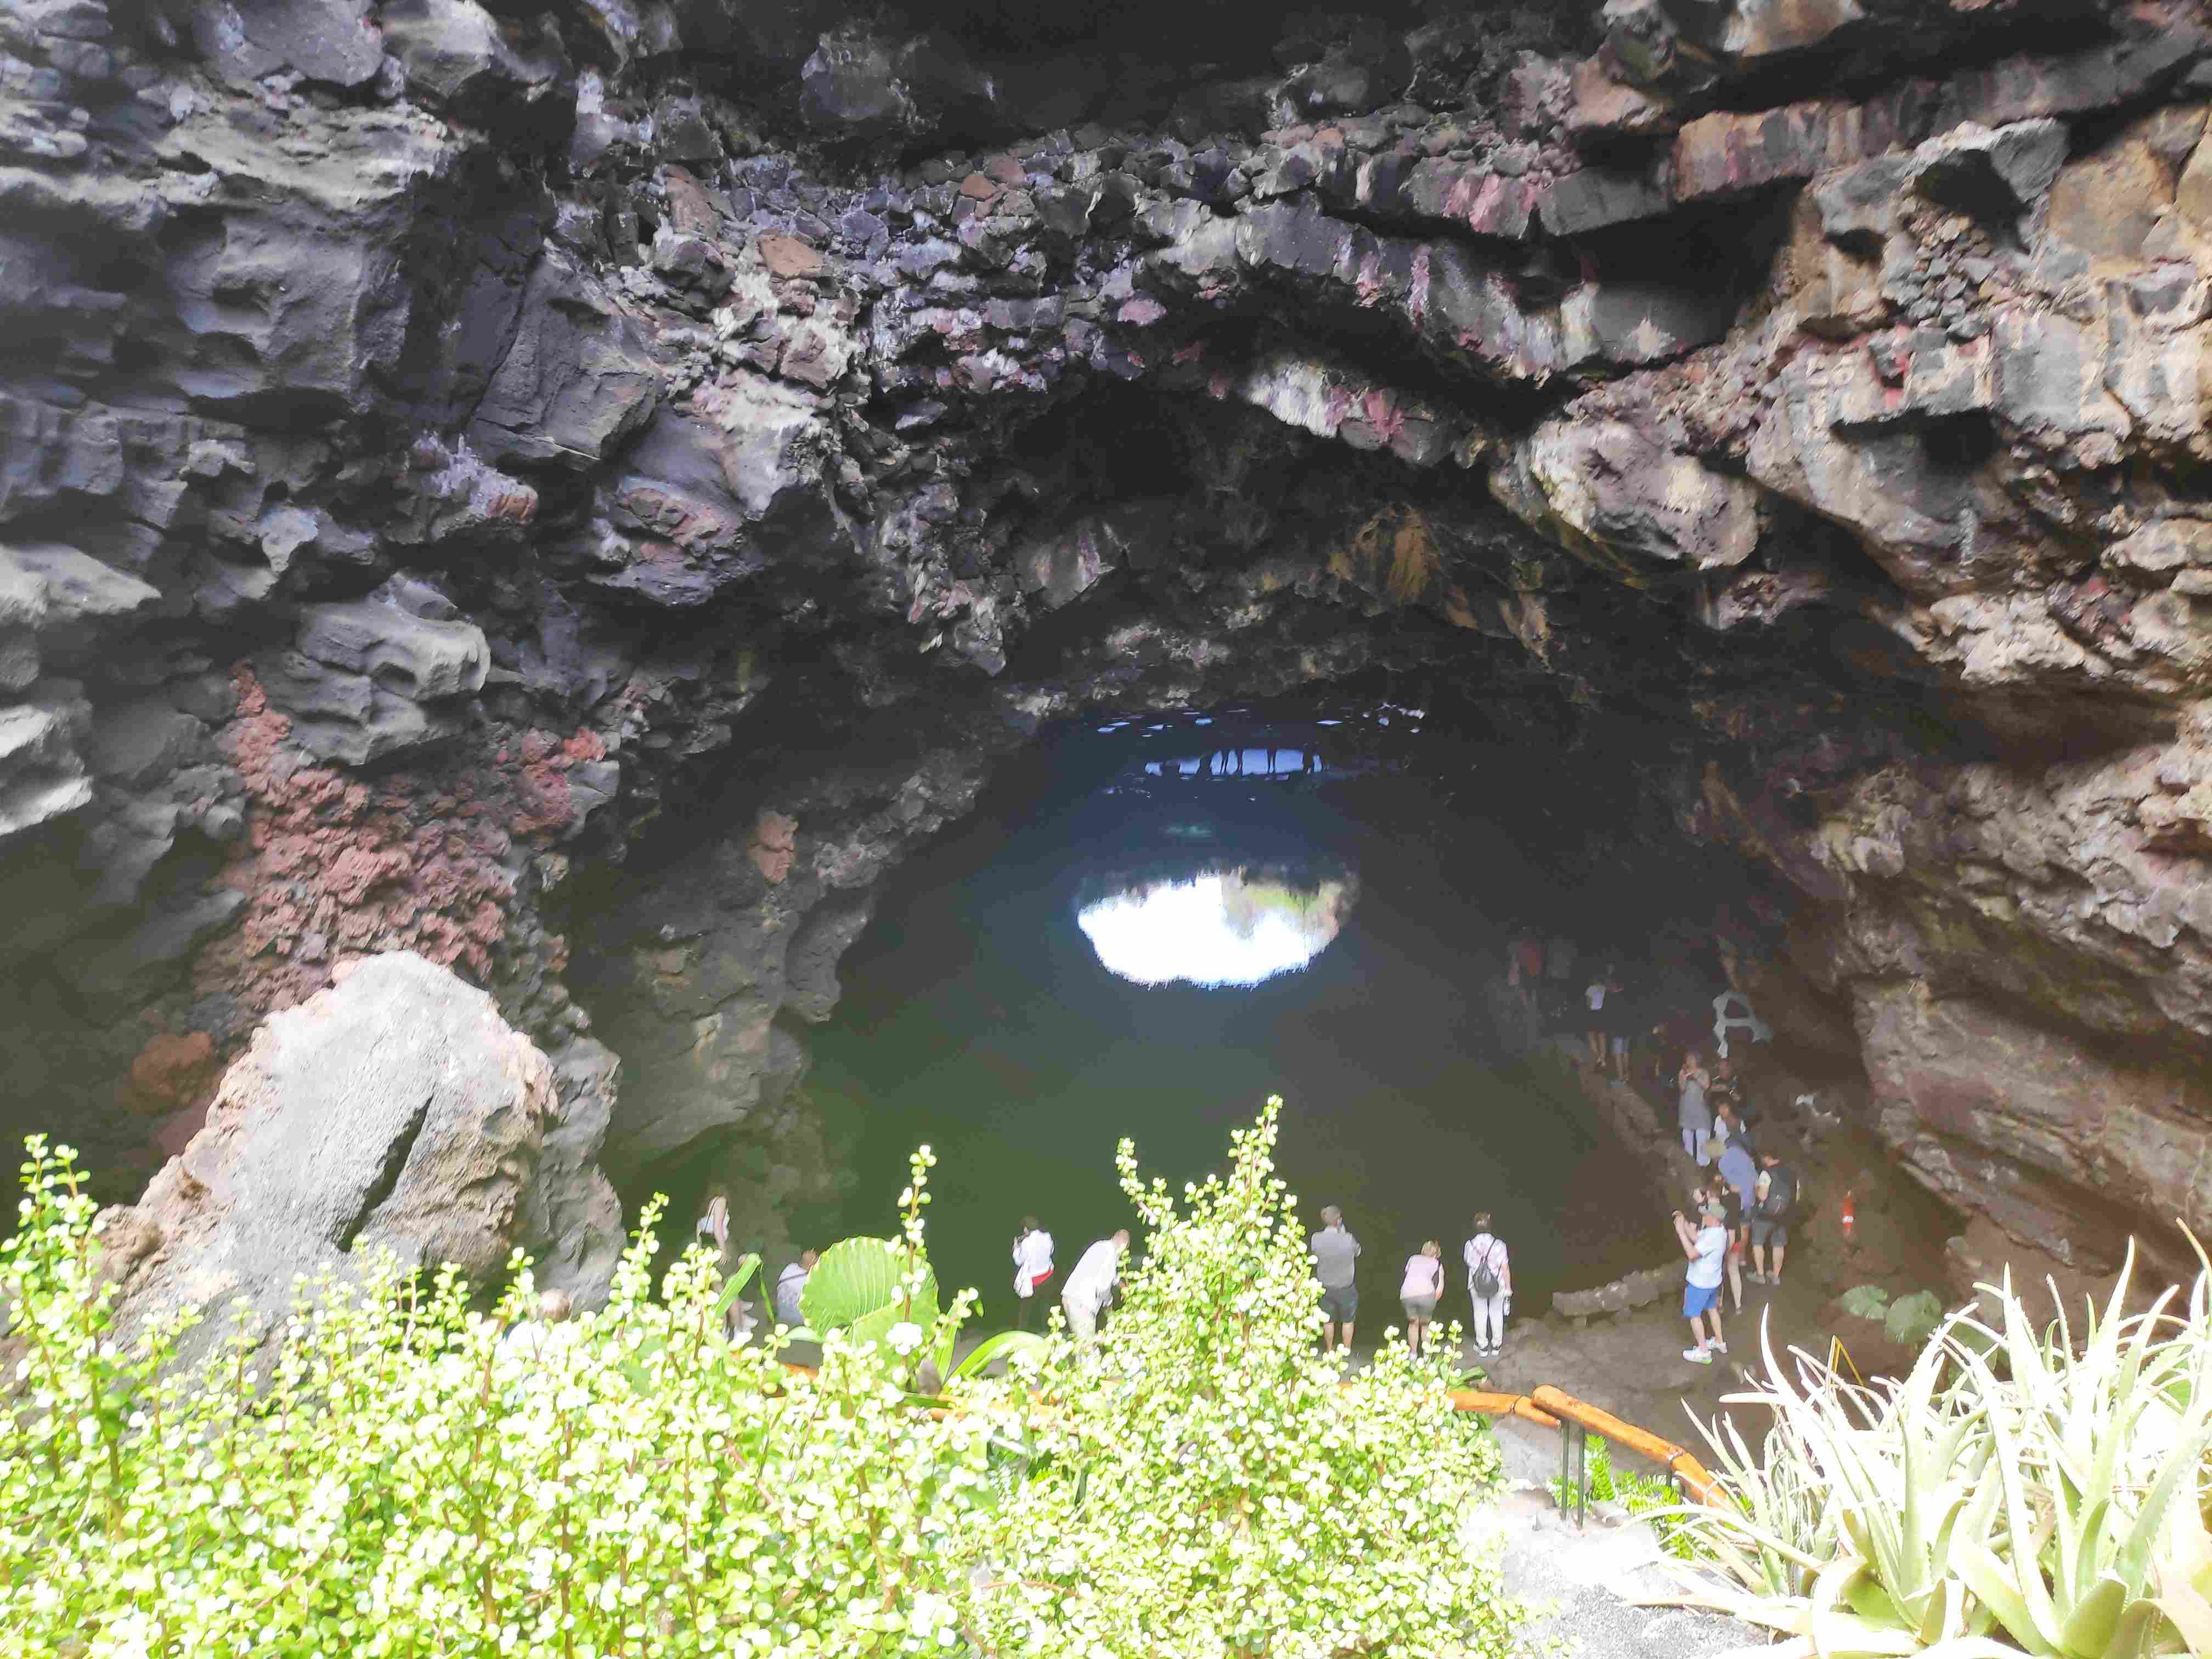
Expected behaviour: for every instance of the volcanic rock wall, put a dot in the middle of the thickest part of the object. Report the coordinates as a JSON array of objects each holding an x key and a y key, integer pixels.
[{"x": 573, "y": 489}]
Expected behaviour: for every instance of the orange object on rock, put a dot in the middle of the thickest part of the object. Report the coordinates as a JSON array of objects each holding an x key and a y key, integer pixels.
[{"x": 1850, "y": 1220}]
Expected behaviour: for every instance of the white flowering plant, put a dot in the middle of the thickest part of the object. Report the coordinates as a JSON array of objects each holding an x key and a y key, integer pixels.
[{"x": 404, "y": 1472}]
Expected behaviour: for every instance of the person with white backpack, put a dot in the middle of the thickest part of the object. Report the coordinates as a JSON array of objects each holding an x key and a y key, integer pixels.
[{"x": 1489, "y": 1286}]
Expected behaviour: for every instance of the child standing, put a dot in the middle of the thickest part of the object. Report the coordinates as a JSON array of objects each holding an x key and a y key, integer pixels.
[{"x": 1707, "y": 1250}]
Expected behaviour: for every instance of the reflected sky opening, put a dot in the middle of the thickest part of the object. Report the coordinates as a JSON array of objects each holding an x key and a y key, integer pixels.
[{"x": 1217, "y": 929}]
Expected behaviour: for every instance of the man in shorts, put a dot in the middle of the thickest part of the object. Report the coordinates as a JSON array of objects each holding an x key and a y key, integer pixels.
[
  {"x": 1707, "y": 1250},
  {"x": 1334, "y": 1251},
  {"x": 1770, "y": 1222}
]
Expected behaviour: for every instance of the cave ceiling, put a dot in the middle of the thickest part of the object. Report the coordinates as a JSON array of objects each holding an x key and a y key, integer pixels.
[{"x": 577, "y": 490}]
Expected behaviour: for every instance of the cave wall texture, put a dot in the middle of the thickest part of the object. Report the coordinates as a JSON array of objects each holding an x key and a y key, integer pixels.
[{"x": 574, "y": 490}]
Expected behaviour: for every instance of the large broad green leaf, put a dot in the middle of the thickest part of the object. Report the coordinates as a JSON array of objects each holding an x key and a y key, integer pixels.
[
  {"x": 1866, "y": 1302},
  {"x": 877, "y": 1326},
  {"x": 851, "y": 1280},
  {"x": 1913, "y": 1319}
]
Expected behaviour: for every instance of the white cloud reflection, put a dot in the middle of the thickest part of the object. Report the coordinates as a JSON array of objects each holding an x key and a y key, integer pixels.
[{"x": 1220, "y": 928}]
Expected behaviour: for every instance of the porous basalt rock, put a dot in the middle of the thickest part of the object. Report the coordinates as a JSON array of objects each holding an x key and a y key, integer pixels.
[{"x": 604, "y": 482}]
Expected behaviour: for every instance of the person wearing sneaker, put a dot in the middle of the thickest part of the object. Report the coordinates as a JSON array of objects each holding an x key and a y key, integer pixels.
[
  {"x": 1707, "y": 1250},
  {"x": 1770, "y": 1222},
  {"x": 1489, "y": 1286}
]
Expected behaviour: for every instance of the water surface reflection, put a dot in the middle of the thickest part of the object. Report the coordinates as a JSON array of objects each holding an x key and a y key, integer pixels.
[{"x": 1216, "y": 928}]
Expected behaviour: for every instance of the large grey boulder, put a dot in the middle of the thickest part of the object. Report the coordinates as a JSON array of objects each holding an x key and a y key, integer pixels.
[{"x": 395, "y": 1110}]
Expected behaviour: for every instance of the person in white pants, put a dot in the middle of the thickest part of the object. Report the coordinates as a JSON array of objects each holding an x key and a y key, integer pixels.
[
  {"x": 1090, "y": 1286},
  {"x": 1488, "y": 1265}
]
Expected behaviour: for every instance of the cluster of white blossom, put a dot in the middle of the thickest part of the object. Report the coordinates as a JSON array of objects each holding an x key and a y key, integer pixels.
[{"x": 405, "y": 1474}]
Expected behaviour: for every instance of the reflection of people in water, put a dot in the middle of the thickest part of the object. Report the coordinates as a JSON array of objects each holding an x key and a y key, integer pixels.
[{"x": 1216, "y": 923}]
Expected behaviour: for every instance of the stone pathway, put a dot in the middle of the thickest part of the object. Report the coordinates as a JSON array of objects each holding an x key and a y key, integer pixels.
[{"x": 1587, "y": 1578}]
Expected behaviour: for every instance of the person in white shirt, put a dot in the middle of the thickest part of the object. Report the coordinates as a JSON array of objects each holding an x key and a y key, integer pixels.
[
  {"x": 537, "y": 1337},
  {"x": 1032, "y": 1267},
  {"x": 791, "y": 1284},
  {"x": 1707, "y": 1250},
  {"x": 1090, "y": 1286},
  {"x": 1489, "y": 1288}
]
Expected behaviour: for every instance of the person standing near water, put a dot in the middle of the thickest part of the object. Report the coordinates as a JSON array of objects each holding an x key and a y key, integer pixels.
[
  {"x": 1032, "y": 1267},
  {"x": 1334, "y": 1252},
  {"x": 791, "y": 1285},
  {"x": 1489, "y": 1286},
  {"x": 1422, "y": 1288},
  {"x": 713, "y": 1233},
  {"x": 1090, "y": 1286}
]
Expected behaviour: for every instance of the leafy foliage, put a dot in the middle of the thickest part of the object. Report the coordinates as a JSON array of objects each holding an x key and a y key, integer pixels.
[
  {"x": 1643, "y": 1495},
  {"x": 1866, "y": 1302},
  {"x": 1913, "y": 1319},
  {"x": 403, "y": 1474},
  {"x": 1910, "y": 1320},
  {"x": 2023, "y": 1488}
]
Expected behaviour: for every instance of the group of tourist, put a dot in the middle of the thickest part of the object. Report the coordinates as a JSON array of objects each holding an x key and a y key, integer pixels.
[
  {"x": 1335, "y": 1253},
  {"x": 1748, "y": 1209}
]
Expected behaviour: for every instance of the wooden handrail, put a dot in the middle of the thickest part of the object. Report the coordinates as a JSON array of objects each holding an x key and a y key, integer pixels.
[
  {"x": 1502, "y": 1405},
  {"x": 1550, "y": 1408}
]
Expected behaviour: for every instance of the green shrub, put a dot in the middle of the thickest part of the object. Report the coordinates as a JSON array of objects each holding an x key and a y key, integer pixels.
[
  {"x": 1645, "y": 1496},
  {"x": 404, "y": 1477},
  {"x": 2025, "y": 1488}
]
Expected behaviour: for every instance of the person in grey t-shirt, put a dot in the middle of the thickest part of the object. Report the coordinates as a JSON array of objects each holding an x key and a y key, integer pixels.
[
  {"x": 1696, "y": 1115},
  {"x": 1334, "y": 1251}
]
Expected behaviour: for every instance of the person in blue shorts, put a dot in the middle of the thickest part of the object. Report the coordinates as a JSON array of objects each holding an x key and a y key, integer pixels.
[{"x": 1707, "y": 1250}]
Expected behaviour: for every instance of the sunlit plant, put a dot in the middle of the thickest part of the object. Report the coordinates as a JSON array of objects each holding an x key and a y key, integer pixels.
[
  {"x": 403, "y": 1473},
  {"x": 2026, "y": 1488}
]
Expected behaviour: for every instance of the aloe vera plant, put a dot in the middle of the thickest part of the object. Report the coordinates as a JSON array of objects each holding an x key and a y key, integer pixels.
[{"x": 2025, "y": 1488}]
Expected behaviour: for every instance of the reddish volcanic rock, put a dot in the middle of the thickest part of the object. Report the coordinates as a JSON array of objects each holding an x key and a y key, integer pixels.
[
  {"x": 332, "y": 867},
  {"x": 772, "y": 848}
]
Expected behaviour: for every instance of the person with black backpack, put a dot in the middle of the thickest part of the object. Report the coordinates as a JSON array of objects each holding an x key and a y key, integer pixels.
[
  {"x": 1770, "y": 1222},
  {"x": 1489, "y": 1286}
]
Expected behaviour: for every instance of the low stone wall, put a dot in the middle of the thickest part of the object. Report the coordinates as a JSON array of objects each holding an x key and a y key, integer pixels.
[{"x": 1635, "y": 1290}]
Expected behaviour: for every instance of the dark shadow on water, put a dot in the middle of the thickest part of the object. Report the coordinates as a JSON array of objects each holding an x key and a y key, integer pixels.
[{"x": 977, "y": 1019}]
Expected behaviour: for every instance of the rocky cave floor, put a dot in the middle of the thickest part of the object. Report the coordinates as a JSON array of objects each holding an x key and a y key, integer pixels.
[{"x": 579, "y": 491}]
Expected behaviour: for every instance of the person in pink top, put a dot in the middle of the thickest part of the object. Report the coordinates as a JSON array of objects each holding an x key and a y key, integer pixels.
[{"x": 1424, "y": 1287}]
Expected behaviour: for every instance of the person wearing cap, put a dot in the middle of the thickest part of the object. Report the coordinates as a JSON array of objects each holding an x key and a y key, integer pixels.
[{"x": 1707, "y": 1250}]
